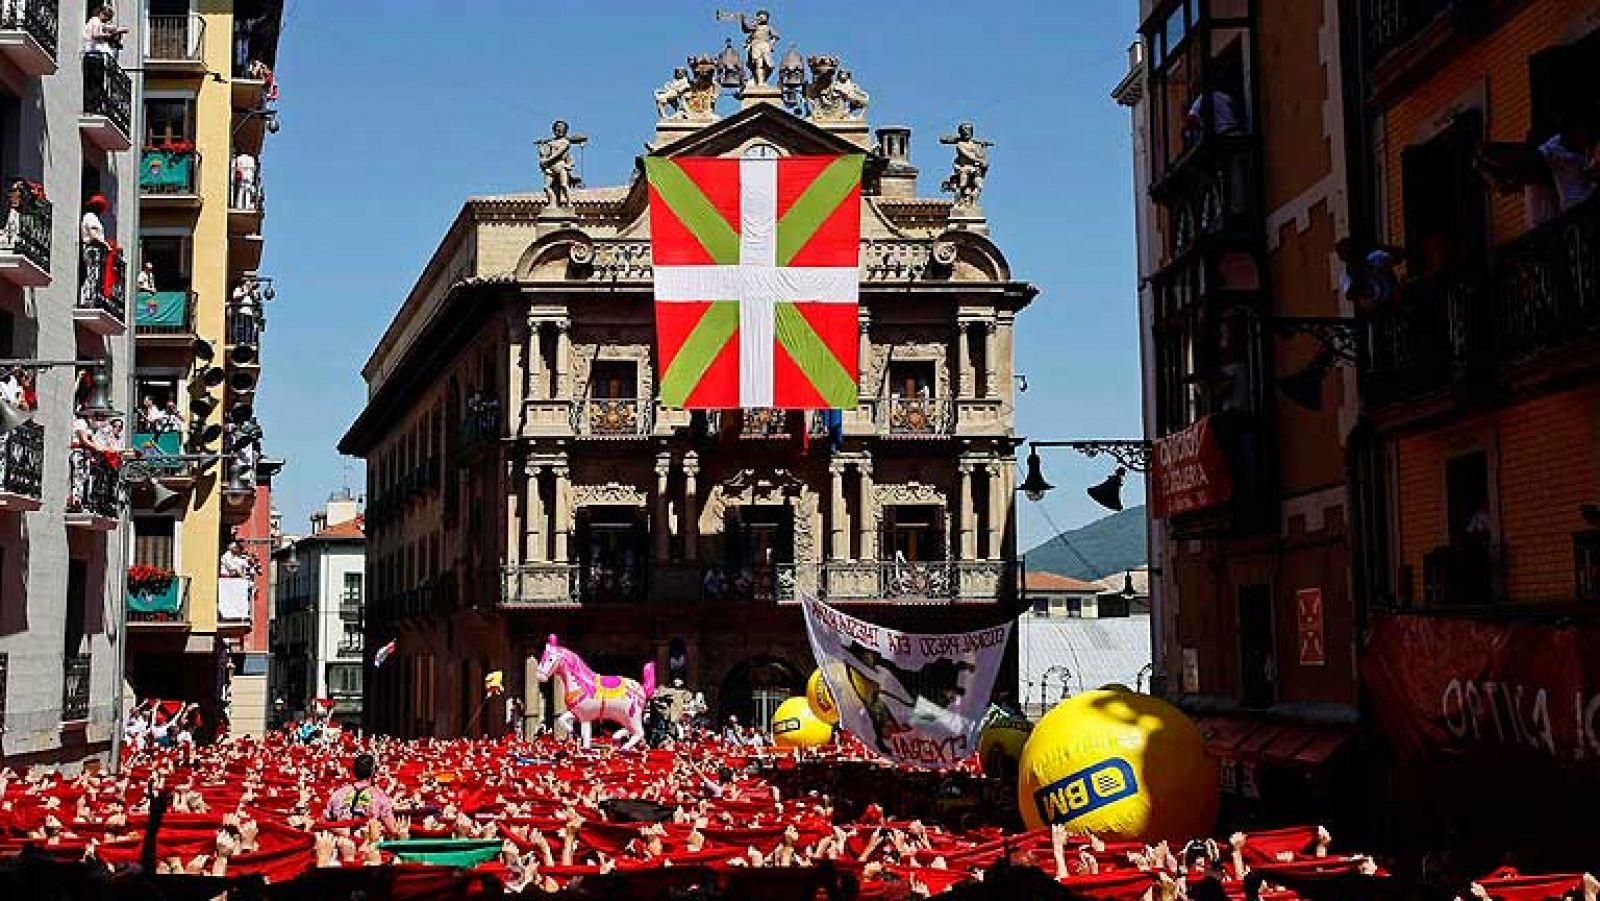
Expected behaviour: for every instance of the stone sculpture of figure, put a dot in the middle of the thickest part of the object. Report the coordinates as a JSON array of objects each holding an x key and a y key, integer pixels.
[
  {"x": 669, "y": 97},
  {"x": 831, "y": 94},
  {"x": 699, "y": 101},
  {"x": 560, "y": 170},
  {"x": 759, "y": 39},
  {"x": 970, "y": 167}
]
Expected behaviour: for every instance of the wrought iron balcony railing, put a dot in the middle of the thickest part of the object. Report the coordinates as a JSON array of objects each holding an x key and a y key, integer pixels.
[
  {"x": 613, "y": 417},
  {"x": 246, "y": 322},
  {"x": 29, "y": 234},
  {"x": 1470, "y": 574},
  {"x": 175, "y": 38},
  {"x": 246, "y": 193},
  {"x": 107, "y": 90},
  {"x": 101, "y": 281},
  {"x": 169, "y": 172},
  {"x": 938, "y": 580},
  {"x": 624, "y": 583},
  {"x": 22, "y": 461},
  {"x": 41, "y": 19},
  {"x": 481, "y": 424},
  {"x": 76, "y": 672},
  {"x": 761, "y": 582},
  {"x": 94, "y": 485},
  {"x": 165, "y": 313},
  {"x": 1390, "y": 23},
  {"x": 1539, "y": 293}
]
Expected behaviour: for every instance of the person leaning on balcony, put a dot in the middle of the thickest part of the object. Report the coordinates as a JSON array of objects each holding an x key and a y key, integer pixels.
[
  {"x": 99, "y": 34},
  {"x": 1573, "y": 158},
  {"x": 16, "y": 199},
  {"x": 1369, "y": 279},
  {"x": 147, "y": 278},
  {"x": 244, "y": 182}
]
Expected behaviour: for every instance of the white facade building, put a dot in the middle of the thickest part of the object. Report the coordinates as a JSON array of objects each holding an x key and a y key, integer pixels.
[{"x": 319, "y": 604}]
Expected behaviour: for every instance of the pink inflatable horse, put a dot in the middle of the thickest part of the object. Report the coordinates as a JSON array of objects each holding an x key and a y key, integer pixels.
[{"x": 592, "y": 698}]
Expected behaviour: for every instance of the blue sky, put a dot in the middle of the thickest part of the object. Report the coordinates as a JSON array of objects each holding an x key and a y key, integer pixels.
[{"x": 391, "y": 118}]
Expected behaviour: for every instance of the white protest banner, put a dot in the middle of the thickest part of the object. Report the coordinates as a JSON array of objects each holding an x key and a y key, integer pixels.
[{"x": 915, "y": 698}]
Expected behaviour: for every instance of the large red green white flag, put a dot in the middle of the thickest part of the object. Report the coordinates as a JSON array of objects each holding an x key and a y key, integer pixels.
[{"x": 757, "y": 280}]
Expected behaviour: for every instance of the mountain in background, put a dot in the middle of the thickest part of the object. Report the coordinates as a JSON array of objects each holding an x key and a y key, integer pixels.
[{"x": 1109, "y": 546}]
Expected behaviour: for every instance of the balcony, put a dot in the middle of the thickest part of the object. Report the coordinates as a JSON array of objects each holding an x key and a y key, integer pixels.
[
  {"x": 539, "y": 585},
  {"x": 93, "y": 502},
  {"x": 22, "y": 468},
  {"x": 916, "y": 417},
  {"x": 244, "y": 327},
  {"x": 169, "y": 177},
  {"x": 940, "y": 581},
  {"x": 613, "y": 418},
  {"x": 153, "y": 607},
  {"x": 162, "y": 316},
  {"x": 1538, "y": 300},
  {"x": 102, "y": 291},
  {"x": 75, "y": 670},
  {"x": 107, "y": 103},
  {"x": 25, "y": 240},
  {"x": 1464, "y": 575},
  {"x": 1389, "y": 23},
  {"x": 620, "y": 584},
  {"x": 1209, "y": 191},
  {"x": 247, "y": 199},
  {"x": 28, "y": 30},
  {"x": 175, "y": 43},
  {"x": 762, "y": 582},
  {"x": 480, "y": 426},
  {"x": 235, "y": 602}
]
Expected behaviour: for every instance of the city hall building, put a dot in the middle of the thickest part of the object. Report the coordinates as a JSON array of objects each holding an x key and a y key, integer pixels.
[{"x": 523, "y": 478}]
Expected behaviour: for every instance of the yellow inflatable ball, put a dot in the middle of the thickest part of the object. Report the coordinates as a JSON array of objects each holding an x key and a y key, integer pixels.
[
  {"x": 820, "y": 698},
  {"x": 795, "y": 726},
  {"x": 1000, "y": 742},
  {"x": 1124, "y": 766}
]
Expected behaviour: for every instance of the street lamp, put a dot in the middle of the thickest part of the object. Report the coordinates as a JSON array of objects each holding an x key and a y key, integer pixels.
[
  {"x": 1130, "y": 454},
  {"x": 1340, "y": 339}
]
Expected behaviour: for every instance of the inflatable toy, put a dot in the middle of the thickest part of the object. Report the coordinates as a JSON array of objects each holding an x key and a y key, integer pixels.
[
  {"x": 1000, "y": 742},
  {"x": 820, "y": 697},
  {"x": 1124, "y": 766},
  {"x": 795, "y": 726},
  {"x": 591, "y": 698}
]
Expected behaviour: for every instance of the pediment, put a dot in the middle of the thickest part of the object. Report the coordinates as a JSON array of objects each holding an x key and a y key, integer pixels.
[{"x": 729, "y": 136}]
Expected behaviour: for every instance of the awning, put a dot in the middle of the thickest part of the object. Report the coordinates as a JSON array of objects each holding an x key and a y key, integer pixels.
[{"x": 1275, "y": 743}]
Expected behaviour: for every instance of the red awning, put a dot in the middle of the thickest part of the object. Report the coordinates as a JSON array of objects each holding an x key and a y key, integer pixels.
[{"x": 1274, "y": 743}]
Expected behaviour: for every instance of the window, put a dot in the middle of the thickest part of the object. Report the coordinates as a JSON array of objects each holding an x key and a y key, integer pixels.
[
  {"x": 168, "y": 255},
  {"x": 1112, "y": 605},
  {"x": 155, "y": 541},
  {"x": 1258, "y": 673},
  {"x": 344, "y": 679},
  {"x": 912, "y": 378},
  {"x": 169, "y": 120},
  {"x": 352, "y": 590},
  {"x": 915, "y": 532},
  {"x": 1446, "y": 223},
  {"x": 614, "y": 380},
  {"x": 1563, "y": 79}
]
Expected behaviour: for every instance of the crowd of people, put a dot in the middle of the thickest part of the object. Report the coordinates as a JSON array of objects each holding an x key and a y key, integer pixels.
[{"x": 544, "y": 816}]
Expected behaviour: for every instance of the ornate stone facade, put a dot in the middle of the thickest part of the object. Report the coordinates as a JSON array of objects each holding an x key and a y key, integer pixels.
[{"x": 632, "y": 529}]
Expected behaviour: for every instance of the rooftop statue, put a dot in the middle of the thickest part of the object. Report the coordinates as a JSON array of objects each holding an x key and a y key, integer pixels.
[
  {"x": 970, "y": 166},
  {"x": 831, "y": 94},
  {"x": 560, "y": 170},
  {"x": 759, "y": 40}
]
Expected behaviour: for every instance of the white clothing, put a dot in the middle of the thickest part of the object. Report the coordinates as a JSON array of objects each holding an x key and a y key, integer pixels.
[
  {"x": 235, "y": 566},
  {"x": 147, "y": 281},
  {"x": 11, "y": 390},
  {"x": 1573, "y": 184},
  {"x": 97, "y": 37},
  {"x": 92, "y": 231}
]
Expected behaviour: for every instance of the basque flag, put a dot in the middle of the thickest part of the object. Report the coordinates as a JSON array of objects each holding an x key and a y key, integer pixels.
[
  {"x": 384, "y": 653},
  {"x": 757, "y": 280}
]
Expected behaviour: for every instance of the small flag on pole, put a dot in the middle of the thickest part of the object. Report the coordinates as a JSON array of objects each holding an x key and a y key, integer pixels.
[
  {"x": 494, "y": 683},
  {"x": 384, "y": 653}
]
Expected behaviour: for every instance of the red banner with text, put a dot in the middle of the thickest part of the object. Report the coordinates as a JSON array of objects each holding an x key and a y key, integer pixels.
[
  {"x": 1486, "y": 694},
  {"x": 1189, "y": 471}
]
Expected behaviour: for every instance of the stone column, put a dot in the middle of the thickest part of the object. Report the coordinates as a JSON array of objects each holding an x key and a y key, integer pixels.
[
  {"x": 534, "y": 516},
  {"x": 997, "y": 507},
  {"x": 989, "y": 358},
  {"x": 838, "y": 516},
  {"x": 538, "y": 382},
  {"x": 562, "y": 390},
  {"x": 967, "y": 546},
  {"x": 516, "y": 518},
  {"x": 869, "y": 549},
  {"x": 691, "y": 506},
  {"x": 563, "y": 513},
  {"x": 659, "y": 528},
  {"x": 864, "y": 352},
  {"x": 965, "y": 376}
]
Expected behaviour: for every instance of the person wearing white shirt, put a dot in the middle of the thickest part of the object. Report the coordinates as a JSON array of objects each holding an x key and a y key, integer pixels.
[
  {"x": 244, "y": 182},
  {"x": 147, "y": 279},
  {"x": 1574, "y": 165},
  {"x": 1225, "y": 118},
  {"x": 91, "y": 230},
  {"x": 99, "y": 35},
  {"x": 236, "y": 564}
]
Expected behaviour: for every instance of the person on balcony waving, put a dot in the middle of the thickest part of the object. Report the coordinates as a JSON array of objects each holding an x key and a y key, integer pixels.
[{"x": 99, "y": 254}]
